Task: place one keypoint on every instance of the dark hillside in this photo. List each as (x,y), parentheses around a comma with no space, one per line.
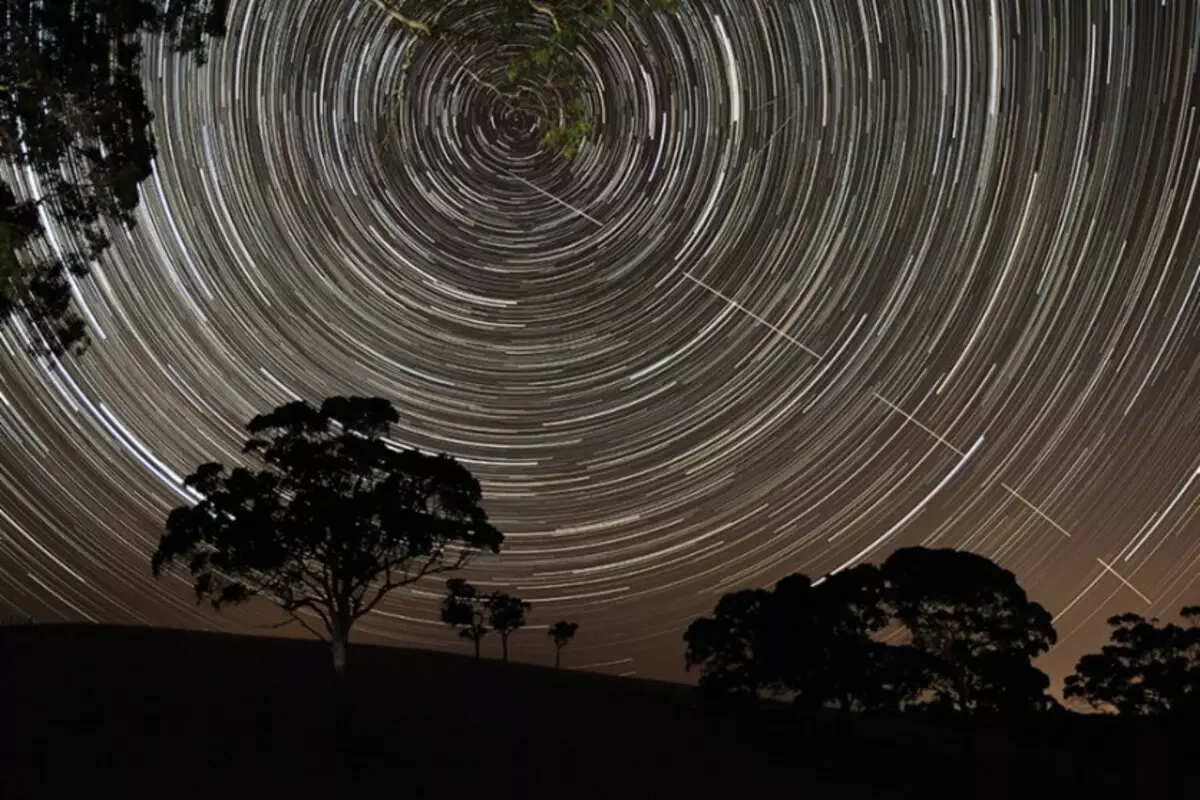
(141,712)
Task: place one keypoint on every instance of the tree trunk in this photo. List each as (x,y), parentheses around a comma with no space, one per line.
(476,640)
(339,638)
(843,724)
(557,657)
(343,704)
(504,647)
(339,655)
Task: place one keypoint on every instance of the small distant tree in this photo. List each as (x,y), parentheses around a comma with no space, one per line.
(562,632)
(1147,668)
(506,616)
(334,520)
(466,610)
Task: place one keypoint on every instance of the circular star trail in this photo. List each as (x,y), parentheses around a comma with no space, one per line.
(830,278)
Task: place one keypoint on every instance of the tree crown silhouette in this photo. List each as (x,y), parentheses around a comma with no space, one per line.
(334,520)
(1146,668)
(506,616)
(562,633)
(465,609)
(73,114)
(967,637)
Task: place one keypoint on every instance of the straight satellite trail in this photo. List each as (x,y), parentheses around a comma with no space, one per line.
(811,255)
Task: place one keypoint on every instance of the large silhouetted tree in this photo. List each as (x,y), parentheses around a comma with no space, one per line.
(971,637)
(465,609)
(976,623)
(334,520)
(563,633)
(726,647)
(1146,668)
(506,616)
(829,656)
(810,642)
(75,125)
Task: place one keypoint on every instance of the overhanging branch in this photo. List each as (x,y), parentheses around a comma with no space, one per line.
(415,25)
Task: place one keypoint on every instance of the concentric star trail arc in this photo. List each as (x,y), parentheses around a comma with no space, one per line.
(812,251)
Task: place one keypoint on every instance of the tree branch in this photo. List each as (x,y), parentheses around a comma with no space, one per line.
(506,97)
(427,568)
(415,25)
(306,626)
(549,12)
(293,617)
(311,605)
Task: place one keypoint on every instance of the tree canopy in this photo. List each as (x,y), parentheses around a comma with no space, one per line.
(809,641)
(1147,668)
(75,128)
(973,617)
(334,520)
(563,633)
(475,614)
(543,78)
(506,616)
(963,636)
(728,646)
(466,610)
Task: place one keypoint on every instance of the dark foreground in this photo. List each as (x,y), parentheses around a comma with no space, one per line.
(138,712)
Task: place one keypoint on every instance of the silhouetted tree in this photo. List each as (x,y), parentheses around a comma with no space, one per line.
(829,657)
(811,642)
(896,677)
(334,520)
(33,283)
(975,621)
(972,637)
(506,616)
(466,610)
(726,647)
(562,632)
(74,119)
(1147,668)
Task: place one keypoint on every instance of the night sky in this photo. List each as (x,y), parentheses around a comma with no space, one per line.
(833,277)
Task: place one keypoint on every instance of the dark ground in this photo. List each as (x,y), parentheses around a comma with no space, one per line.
(138,712)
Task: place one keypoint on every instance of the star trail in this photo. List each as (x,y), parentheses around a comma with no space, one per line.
(831,277)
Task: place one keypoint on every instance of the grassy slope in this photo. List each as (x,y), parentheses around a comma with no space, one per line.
(188,714)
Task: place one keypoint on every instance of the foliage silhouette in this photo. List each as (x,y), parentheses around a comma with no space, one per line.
(466,610)
(810,642)
(971,637)
(727,647)
(506,616)
(831,659)
(544,78)
(563,633)
(1147,668)
(334,520)
(74,117)
(973,617)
